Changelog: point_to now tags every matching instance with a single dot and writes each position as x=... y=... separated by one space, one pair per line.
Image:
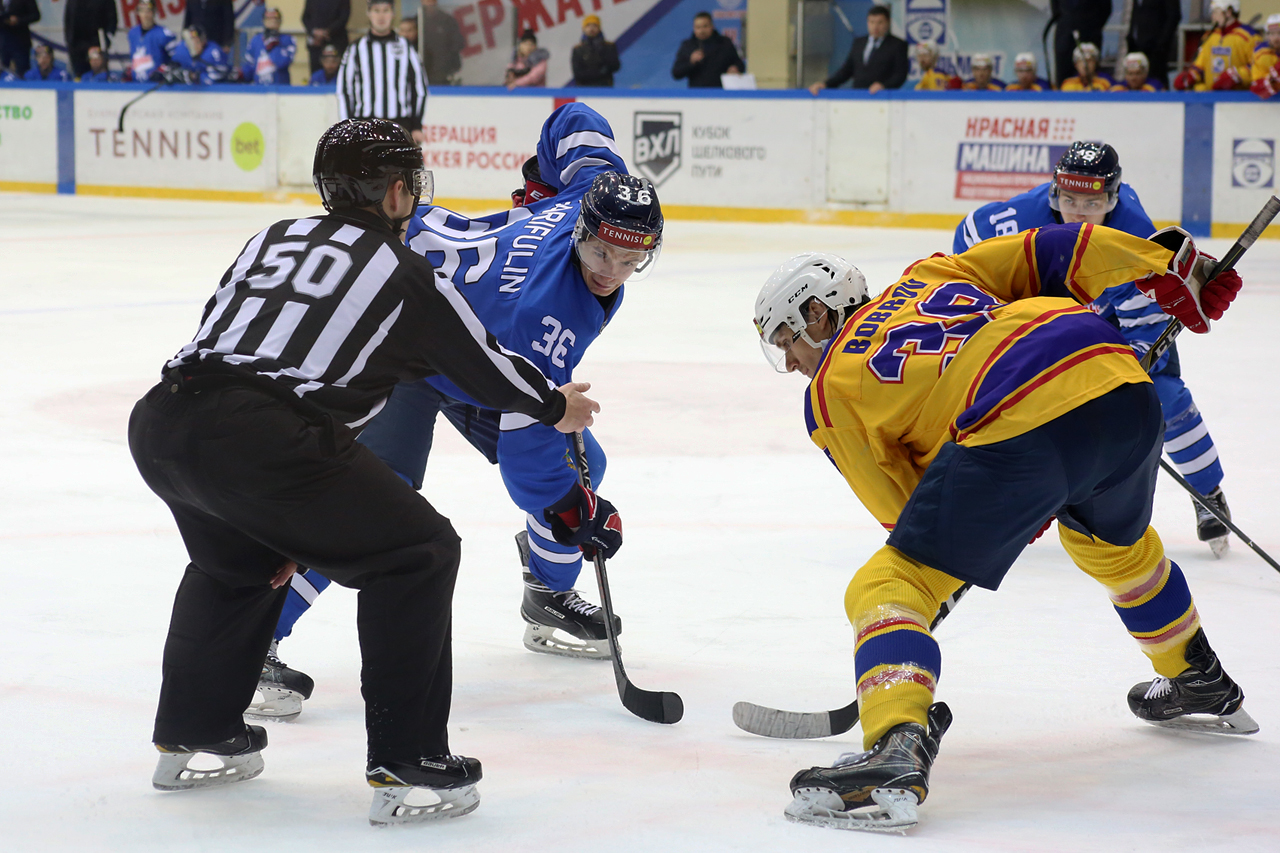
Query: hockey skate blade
x=547 y=640
x=770 y=722
x=1239 y=723
x=399 y=806
x=275 y=703
x=1220 y=545
x=175 y=773
x=894 y=810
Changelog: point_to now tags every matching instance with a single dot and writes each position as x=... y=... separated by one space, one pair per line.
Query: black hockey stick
x=125 y=108
x=1228 y=262
x=770 y=722
x=651 y=705
x=1218 y=514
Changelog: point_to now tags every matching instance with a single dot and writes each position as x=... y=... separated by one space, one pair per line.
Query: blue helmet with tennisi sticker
x=619 y=228
x=1087 y=168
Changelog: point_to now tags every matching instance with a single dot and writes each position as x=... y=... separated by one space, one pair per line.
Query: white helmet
x=830 y=279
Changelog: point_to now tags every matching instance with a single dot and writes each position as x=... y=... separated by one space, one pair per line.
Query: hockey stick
x=651 y=705
x=1218 y=514
x=125 y=108
x=1228 y=262
x=770 y=722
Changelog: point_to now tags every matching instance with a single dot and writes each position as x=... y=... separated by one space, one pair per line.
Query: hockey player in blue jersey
x=1086 y=187
x=151 y=46
x=546 y=278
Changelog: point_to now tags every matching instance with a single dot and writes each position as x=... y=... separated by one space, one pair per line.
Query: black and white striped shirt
x=338 y=310
x=381 y=77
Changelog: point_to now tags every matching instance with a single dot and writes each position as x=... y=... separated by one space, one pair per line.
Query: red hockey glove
x=1228 y=79
x=587 y=520
x=1187 y=79
x=1267 y=86
x=271 y=44
x=1182 y=291
x=954 y=82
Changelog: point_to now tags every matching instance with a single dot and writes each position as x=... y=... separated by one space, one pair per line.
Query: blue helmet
x=1088 y=168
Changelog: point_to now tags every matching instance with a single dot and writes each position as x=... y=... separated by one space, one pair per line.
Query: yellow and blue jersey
x=973 y=348
x=935 y=81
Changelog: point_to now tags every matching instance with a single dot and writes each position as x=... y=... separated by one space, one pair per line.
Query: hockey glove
x=534 y=189
x=1228 y=79
x=1187 y=79
x=1267 y=86
x=587 y=520
x=1182 y=292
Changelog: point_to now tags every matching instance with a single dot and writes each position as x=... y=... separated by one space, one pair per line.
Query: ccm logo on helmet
x=623 y=237
x=1079 y=183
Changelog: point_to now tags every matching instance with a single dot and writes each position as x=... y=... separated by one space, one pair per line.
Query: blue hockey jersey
x=517 y=270
x=1140 y=319
x=266 y=67
x=211 y=66
x=148 y=50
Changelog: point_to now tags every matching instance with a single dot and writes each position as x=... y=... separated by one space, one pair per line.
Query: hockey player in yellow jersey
x=1225 y=54
x=970 y=404
x=1024 y=75
x=932 y=80
x=1085 y=57
x=983 y=67
x=1262 y=73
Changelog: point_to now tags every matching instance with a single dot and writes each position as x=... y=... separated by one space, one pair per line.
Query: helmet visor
x=422 y=184
x=776 y=346
x=612 y=262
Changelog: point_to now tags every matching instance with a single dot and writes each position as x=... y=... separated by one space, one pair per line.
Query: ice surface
x=740 y=541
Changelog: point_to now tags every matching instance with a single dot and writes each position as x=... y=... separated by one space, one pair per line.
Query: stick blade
x=652 y=705
x=790 y=725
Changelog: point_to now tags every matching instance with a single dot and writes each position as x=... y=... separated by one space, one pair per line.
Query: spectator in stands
x=45 y=68
x=1225 y=55
x=1087 y=79
x=16 y=18
x=1079 y=21
x=408 y=30
x=1137 y=70
x=86 y=24
x=594 y=60
x=215 y=18
x=876 y=61
x=98 y=72
x=705 y=56
x=983 y=67
x=270 y=53
x=151 y=46
x=327 y=73
x=932 y=80
x=1153 y=26
x=1025 y=79
x=442 y=44
x=528 y=66
x=326 y=23
x=204 y=61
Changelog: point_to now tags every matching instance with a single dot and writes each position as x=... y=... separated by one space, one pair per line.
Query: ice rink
x=741 y=539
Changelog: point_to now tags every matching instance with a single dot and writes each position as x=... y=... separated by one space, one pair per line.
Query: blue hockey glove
x=587 y=520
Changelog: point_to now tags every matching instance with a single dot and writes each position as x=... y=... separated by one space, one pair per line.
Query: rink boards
x=1206 y=161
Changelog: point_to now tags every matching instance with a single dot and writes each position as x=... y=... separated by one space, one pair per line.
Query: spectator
x=1225 y=52
x=270 y=53
x=98 y=72
x=932 y=80
x=442 y=44
x=215 y=18
x=204 y=61
x=1136 y=75
x=150 y=45
x=528 y=66
x=1085 y=57
x=706 y=56
x=1153 y=26
x=16 y=18
x=1025 y=79
x=877 y=61
x=1079 y=21
x=381 y=76
x=408 y=31
x=326 y=23
x=86 y=24
x=594 y=60
x=45 y=68
x=327 y=73
x=983 y=67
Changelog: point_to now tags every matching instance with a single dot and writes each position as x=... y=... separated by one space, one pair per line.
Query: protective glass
x=422 y=184
x=777 y=345
x=613 y=262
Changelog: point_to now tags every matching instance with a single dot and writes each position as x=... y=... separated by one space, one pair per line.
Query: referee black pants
x=252 y=482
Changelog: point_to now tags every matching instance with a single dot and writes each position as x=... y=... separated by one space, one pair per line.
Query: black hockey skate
x=1208 y=528
x=281 y=689
x=877 y=790
x=435 y=788
x=1202 y=699
x=561 y=623
x=184 y=767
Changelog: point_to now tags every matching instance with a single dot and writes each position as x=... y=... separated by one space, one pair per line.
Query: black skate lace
x=1160 y=687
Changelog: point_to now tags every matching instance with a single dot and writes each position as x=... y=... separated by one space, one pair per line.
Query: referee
x=381 y=75
x=250 y=440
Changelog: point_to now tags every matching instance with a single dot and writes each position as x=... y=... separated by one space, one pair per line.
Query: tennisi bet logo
x=1002 y=156
x=623 y=237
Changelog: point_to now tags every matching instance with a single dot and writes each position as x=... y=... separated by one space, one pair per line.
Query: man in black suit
x=216 y=17
x=706 y=56
x=1152 y=27
x=876 y=61
x=86 y=24
x=1079 y=21
x=16 y=18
